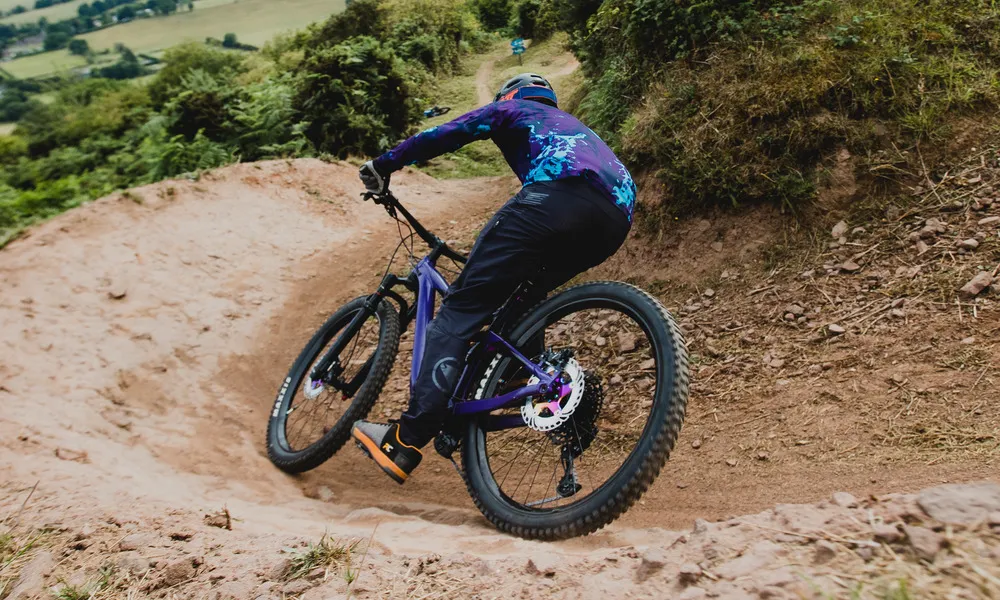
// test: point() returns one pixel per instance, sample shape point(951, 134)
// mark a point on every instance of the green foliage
point(355, 98)
point(79, 47)
point(229, 40)
point(179, 61)
point(737, 101)
point(493, 14)
point(55, 40)
point(267, 122)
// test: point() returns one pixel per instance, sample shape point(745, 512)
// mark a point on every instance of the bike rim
point(613, 343)
point(306, 420)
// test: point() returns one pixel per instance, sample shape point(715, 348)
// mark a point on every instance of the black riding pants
point(548, 233)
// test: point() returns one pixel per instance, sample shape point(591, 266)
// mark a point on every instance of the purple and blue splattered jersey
point(540, 143)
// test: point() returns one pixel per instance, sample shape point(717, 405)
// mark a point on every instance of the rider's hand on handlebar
point(375, 182)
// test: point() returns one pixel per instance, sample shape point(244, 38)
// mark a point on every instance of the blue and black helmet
point(527, 86)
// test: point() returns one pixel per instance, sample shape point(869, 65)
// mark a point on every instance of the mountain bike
point(566, 410)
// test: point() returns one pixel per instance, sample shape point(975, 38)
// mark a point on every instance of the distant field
point(57, 12)
point(43, 64)
point(7, 128)
point(253, 21)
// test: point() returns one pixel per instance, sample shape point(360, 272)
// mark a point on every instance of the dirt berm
point(144, 336)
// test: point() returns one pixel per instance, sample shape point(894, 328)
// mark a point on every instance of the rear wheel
point(562, 476)
point(310, 420)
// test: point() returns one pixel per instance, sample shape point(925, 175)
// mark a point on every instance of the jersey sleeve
point(475, 125)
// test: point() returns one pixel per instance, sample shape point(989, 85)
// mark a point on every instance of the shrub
point(354, 97)
point(79, 47)
point(493, 14)
point(179, 61)
point(229, 40)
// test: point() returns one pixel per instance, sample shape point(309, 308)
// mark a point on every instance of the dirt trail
point(143, 340)
point(484, 84)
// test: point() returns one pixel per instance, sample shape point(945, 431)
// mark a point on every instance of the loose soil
point(145, 335)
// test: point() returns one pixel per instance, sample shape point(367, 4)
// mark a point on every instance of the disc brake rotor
point(542, 415)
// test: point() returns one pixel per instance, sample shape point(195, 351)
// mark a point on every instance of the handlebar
point(438, 247)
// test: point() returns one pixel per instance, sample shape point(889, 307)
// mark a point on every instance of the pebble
point(977, 284)
point(708, 293)
point(960, 504)
point(295, 587)
point(650, 564)
point(969, 244)
point(926, 543)
point(898, 303)
point(989, 220)
point(887, 533)
point(897, 313)
point(689, 573)
point(732, 462)
point(824, 552)
point(835, 329)
point(696, 443)
point(968, 341)
point(850, 266)
point(844, 500)
point(177, 572)
point(922, 247)
point(838, 230)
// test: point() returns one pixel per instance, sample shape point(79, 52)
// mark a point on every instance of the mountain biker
point(572, 213)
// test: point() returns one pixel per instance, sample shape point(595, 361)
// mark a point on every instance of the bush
point(79, 47)
point(179, 61)
point(493, 14)
point(55, 40)
point(355, 98)
point(229, 40)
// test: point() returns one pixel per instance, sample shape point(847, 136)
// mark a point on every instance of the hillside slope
point(144, 336)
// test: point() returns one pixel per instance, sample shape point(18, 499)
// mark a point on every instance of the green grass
point(54, 13)
point(6, 5)
point(548, 58)
point(253, 21)
point(322, 554)
point(42, 64)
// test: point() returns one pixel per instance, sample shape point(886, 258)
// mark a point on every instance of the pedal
point(445, 444)
point(362, 448)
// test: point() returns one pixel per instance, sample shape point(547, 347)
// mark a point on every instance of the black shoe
point(381, 442)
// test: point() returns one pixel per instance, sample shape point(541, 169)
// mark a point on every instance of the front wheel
point(559, 477)
point(310, 420)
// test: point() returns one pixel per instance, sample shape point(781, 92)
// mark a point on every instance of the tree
point(126, 12)
point(190, 5)
point(79, 47)
point(55, 40)
point(230, 41)
point(84, 10)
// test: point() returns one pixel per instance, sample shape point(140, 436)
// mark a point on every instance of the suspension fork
point(329, 368)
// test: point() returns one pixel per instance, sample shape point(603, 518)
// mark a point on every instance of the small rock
point(897, 313)
point(960, 504)
point(649, 363)
point(696, 443)
point(541, 566)
point(132, 563)
point(789, 317)
point(844, 500)
point(177, 572)
point(796, 310)
point(117, 292)
point(838, 230)
point(824, 552)
point(776, 363)
point(981, 236)
point(700, 526)
point(220, 519)
point(993, 520)
point(968, 341)
point(922, 247)
point(977, 284)
point(763, 456)
point(616, 379)
point(652, 562)
point(717, 246)
point(815, 369)
point(926, 543)
point(989, 220)
point(30, 582)
point(834, 329)
point(887, 533)
point(898, 303)
point(865, 553)
point(627, 342)
point(969, 244)
point(693, 593)
point(732, 462)
point(850, 266)
point(689, 573)
point(708, 293)
point(296, 587)
point(280, 569)
point(600, 341)
point(135, 541)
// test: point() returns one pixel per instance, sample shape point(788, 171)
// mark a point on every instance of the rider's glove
point(374, 181)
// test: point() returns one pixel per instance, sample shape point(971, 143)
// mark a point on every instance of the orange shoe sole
point(370, 447)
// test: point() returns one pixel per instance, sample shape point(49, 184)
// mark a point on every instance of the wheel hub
point(546, 414)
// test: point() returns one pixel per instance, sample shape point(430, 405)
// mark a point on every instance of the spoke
point(532, 484)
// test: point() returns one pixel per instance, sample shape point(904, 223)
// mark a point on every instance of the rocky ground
point(144, 336)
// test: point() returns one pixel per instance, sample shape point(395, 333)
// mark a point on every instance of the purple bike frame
point(430, 283)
